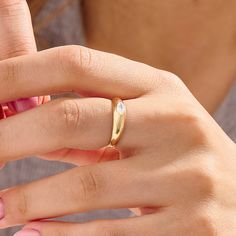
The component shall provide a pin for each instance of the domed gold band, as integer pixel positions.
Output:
(119, 117)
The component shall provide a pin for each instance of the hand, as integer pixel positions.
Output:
(16, 39)
(177, 167)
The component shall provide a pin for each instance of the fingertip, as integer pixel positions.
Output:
(21, 105)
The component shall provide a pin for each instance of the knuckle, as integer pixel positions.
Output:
(207, 225)
(12, 70)
(75, 59)
(165, 79)
(22, 204)
(10, 75)
(68, 114)
(204, 177)
(192, 122)
(89, 184)
(71, 114)
(23, 48)
(173, 79)
(186, 121)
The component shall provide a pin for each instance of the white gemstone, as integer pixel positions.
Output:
(120, 108)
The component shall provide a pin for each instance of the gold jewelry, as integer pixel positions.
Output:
(119, 116)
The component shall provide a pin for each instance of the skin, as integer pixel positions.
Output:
(16, 41)
(194, 39)
(173, 166)
(174, 158)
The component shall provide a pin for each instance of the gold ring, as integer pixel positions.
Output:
(119, 117)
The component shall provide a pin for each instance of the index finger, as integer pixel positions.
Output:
(78, 69)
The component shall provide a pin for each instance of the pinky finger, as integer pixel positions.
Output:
(138, 226)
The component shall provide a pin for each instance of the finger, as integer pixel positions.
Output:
(84, 124)
(78, 69)
(16, 39)
(147, 225)
(16, 33)
(108, 185)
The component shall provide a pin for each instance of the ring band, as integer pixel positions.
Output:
(119, 117)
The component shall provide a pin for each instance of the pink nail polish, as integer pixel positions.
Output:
(23, 104)
(2, 213)
(27, 232)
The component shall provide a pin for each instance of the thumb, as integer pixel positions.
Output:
(16, 39)
(16, 32)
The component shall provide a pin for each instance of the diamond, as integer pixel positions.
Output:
(120, 108)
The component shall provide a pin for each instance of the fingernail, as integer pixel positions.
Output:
(27, 232)
(23, 104)
(2, 213)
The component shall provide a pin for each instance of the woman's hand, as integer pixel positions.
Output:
(177, 167)
(16, 39)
